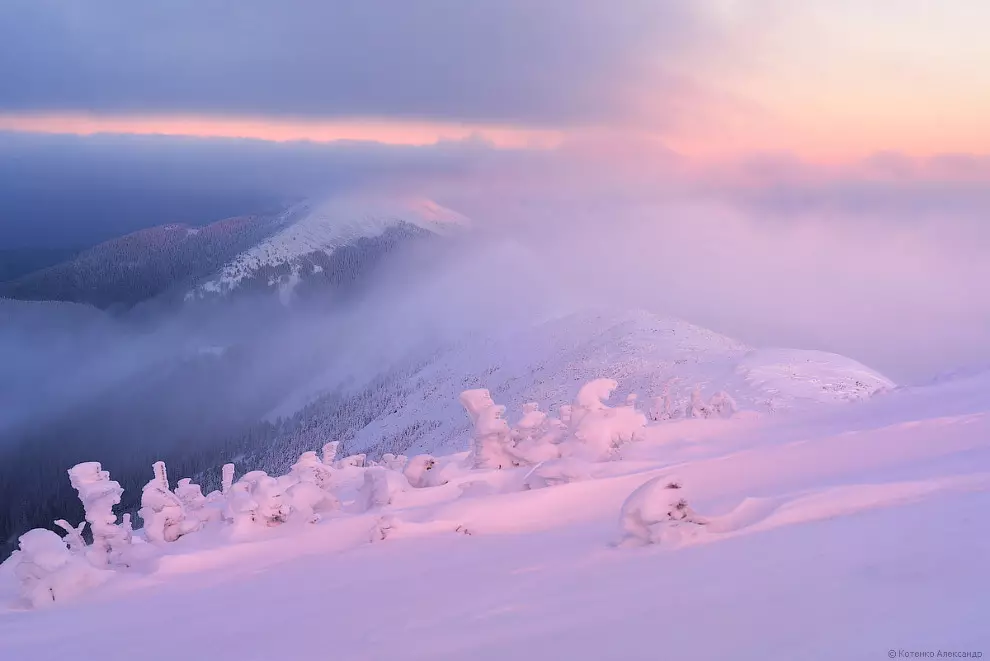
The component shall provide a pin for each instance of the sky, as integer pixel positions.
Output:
(828, 80)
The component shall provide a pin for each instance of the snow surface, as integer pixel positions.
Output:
(323, 227)
(838, 532)
(546, 362)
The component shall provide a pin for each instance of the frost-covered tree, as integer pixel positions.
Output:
(162, 511)
(696, 407)
(271, 506)
(380, 487)
(597, 429)
(352, 461)
(421, 471)
(491, 438)
(49, 572)
(99, 494)
(308, 488)
(658, 512)
(662, 406)
(197, 509)
(536, 435)
(240, 506)
(393, 462)
(227, 478)
(722, 405)
(330, 452)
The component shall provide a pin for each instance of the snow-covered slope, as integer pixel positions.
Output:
(323, 227)
(855, 534)
(547, 362)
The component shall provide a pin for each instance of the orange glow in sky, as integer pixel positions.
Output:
(393, 132)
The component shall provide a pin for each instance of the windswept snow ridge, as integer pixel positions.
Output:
(323, 228)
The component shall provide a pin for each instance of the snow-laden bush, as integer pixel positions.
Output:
(352, 461)
(662, 406)
(329, 452)
(49, 572)
(491, 439)
(658, 512)
(598, 430)
(380, 487)
(271, 507)
(162, 511)
(721, 405)
(536, 435)
(422, 471)
(198, 510)
(393, 462)
(308, 488)
(99, 494)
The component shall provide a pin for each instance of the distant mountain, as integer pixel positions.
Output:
(307, 248)
(143, 264)
(329, 244)
(414, 406)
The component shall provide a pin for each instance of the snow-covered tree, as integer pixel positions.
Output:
(536, 435)
(697, 408)
(597, 429)
(395, 463)
(330, 452)
(421, 471)
(308, 488)
(162, 511)
(49, 572)
(240, 506)
(662, 406)
(658, 512)
(380, 487)
(722, 405)
(99, 494)
(491, 438)
(271, 506)
(227, 478)
(354, 460)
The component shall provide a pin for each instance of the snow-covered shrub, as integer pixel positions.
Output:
(309, 468)
(395, 463)
(240, 506)
(697, 408)
(597, 429)
(354, 460)
(308, 488)
(330, 452)
(271, 507)
(536, 435)
(49, 572)
(99, 494)
(197, 509)
(662, 406)
(722, 405)
(162, 511)
(491, 439)
(658, 512)
(380, 487)
(421, 471)
(227, 478)
(73, 535)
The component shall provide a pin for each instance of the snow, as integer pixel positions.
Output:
(323, 227)
(838, 532)
(547, 361)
